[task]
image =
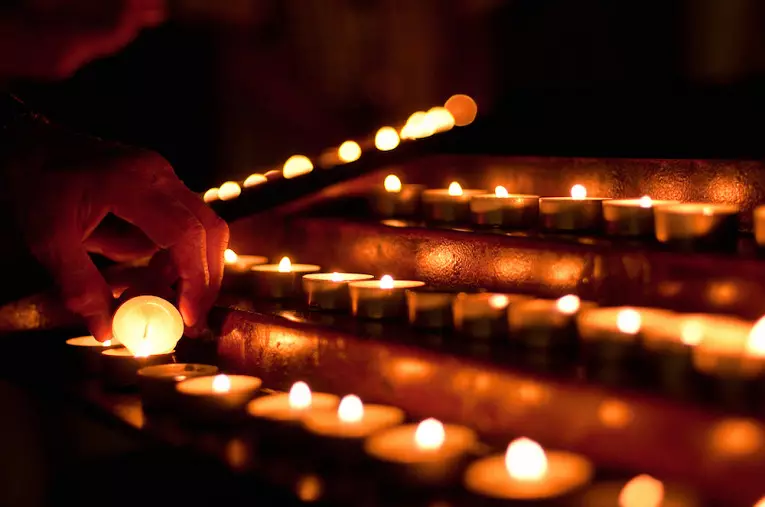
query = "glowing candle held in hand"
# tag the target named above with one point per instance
(147, 325)
(353, 419)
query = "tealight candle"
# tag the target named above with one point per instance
(157, 383)
(547, 324)
(281, 281)
(147, 325)
(119, 366)
(429, 453)
(575, 213)
(640, 491)
(759, 225)
(502, 209)
(237, 269)
(448, 205)
(526, 473)
(329, 291)
(698, 226)
(430, 307)
(380, 299)
(631, 217)
(217, 397)
(85, 354)
(483, 315)
(396, 200)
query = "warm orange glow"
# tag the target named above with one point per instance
(707, 211)
(628, 321)
(568, 304)
(254, 179)
(646, 202)
(430, 435)
(463, 109)
(416, 126)
(143, 349)
(755, 345)
(349, 151)
(455, 189)
(386, 282)
(501, 191)
(336, 277)
(736, 437)
(578, 192)
(229, 190)
(221, 384)
(525, 460)
(642, 491)
(230, 256)
(309, 488)
(760, 502)
(350, 410)
(297, 165)
(691, 332)
(285, 265)
(437, 119)
(386, 139)
(499, 301)
(211, 195)
(107, 343)
(614, 414)
(300, 396)
(392, 183)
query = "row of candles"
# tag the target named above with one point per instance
(726, 350)
(670, 221)
(427, 454)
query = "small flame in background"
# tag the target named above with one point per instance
(297, 165)
(755, 344)
(254, 179)
(525, 460)
(568, 304)
(349, 151)
(285, 265)
(211, 195)
(642, 491)
(430, 435)
(221, 384)
(230, 256)
(499, 301)
(229, 190)
(455, 189)
(628, 321)
(386, 282)
(392, 183)
(351, 409)
(300, 396)
(386, 139)
(646, 202)
(463, 109)
(578, 192)
(501, 191)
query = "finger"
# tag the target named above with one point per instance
(120, 245)
(83, 289)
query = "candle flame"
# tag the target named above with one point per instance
(499, 301)
(221, 384)
(297, 165)
(525, 460)
(285, 265)
(755, 345)
(646, 201)
(707, 211)
(349, 151)
(430, 435)
(254, 179)
(229, 190)
(438, 119)
(455, 189)
(386, 282)
(501, 191)
(691, 332)
(642, 491)
(568, 304)
(392, 183)
(144, 348)
(417, 126)
(230, 256)
(300, 396)
(760, 502)
(336, 277)
(578, 192)
(211, 195)
(628, 321)
(386, 139)
(107, 343)
(350, 410)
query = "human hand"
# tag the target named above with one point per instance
(61, 187)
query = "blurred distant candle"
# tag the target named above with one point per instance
(236, 263)
(483, 315)
(380, 299)
(229, 190)
(297, 165)
(448, 205)
(254, 180)
(575, 213)
(386, 139)
(394, 199)
(217, 397)
(429, 453)
(631, 217)
(329, 291)
(527, 474)
(281, 281)
(349, 151)
(210, 195)
(431, 307)
(501, 209)
(698, 226)
(547, 324)
(640, 491)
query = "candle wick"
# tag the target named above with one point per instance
(146, 331)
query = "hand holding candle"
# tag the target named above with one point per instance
(147, 325)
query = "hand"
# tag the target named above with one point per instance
(61, 188)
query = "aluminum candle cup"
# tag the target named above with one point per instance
(157, 383)
(329, 291)
(631, 217)
(85, 354)
(403, 203)
(119, 367)
(448, 206)
(508, 211)
(483, 316)
(237, 269)
(542, 325)
(280, 281)
(567, 214)
(698, 226)
(430, 308)
(217, 398)
(380, 299)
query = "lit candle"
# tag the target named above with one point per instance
(293, 406)
(698, 226)
(329, 291)
(211, 195)
(428, 453)
(380, 299)
(575, 213)
(528, 473)
(431, 307)
(349, 151)
(297, 165)
(254, 180)
(640, 491)
(353, 420)
(547, 324)
(119, 366)
(281, 281)
(217, 397)
(631, 217)
(483, 315)
(85, 354)
(502, 209)
(241, 264)
(386, 139)
(394, 199)
(157, 383)
(147, 325)
(448, 205)
(229, 190)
